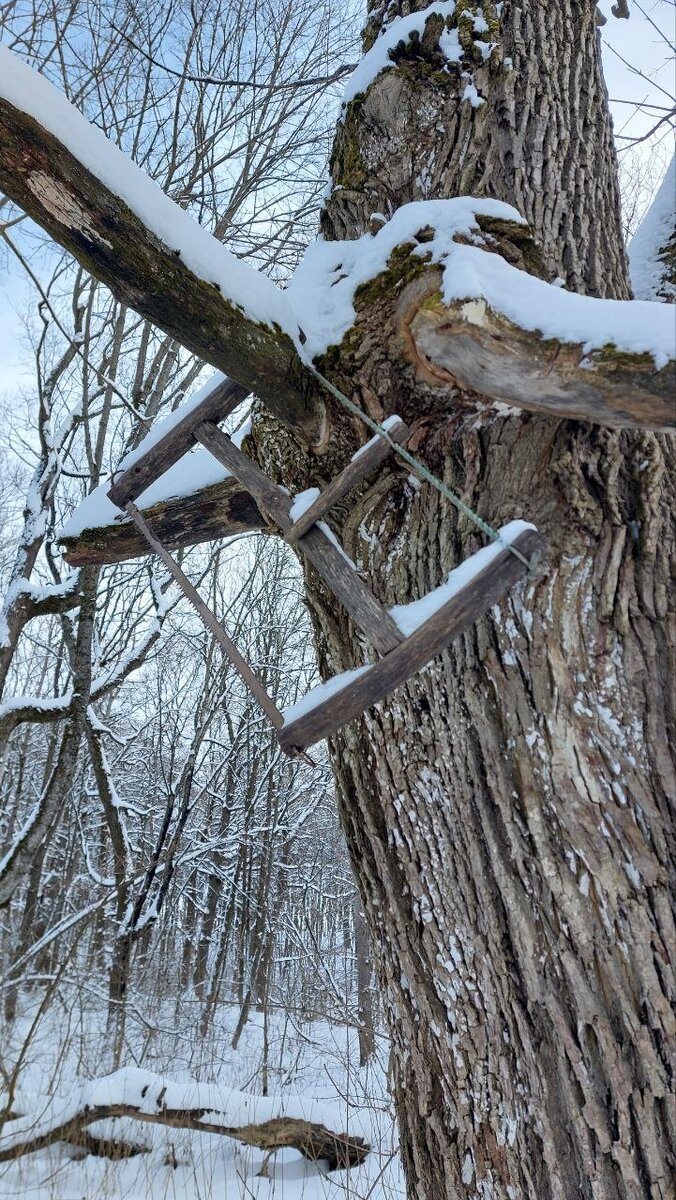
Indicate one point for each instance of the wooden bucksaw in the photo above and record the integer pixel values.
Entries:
(400, 656)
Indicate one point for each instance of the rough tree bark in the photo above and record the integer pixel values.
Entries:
(507, 811)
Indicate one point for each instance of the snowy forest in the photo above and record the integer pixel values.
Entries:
(337, 632)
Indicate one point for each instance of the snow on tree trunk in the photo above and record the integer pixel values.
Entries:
(506, 811)
(652, 250)
(511, 107)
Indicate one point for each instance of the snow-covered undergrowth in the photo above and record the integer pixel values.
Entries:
(313, 1071)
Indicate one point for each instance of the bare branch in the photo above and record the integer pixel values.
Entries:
(656, 27)
(253, 84)
(636, 71)
(636, 141)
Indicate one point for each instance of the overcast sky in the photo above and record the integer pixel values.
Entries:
(637, 41)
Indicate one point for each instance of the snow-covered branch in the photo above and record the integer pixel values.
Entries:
(142, 1096)
(496, 329)
(36, 600)
(41, 710)
(126, 232)
(459, 281)
(17, 710)
(203, 512)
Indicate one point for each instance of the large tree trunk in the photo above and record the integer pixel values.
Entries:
(507, 811)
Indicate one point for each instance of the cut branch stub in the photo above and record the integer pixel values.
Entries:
(85, 216)
(468, 343)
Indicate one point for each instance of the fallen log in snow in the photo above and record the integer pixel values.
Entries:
(141, 1096)
(101, 1147)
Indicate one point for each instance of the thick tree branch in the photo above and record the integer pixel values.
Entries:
(115, 245)
(218, 511)
(148, 1098)
(465, 343)
(469, 343)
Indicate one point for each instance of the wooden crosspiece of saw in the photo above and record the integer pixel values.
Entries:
(399, 656)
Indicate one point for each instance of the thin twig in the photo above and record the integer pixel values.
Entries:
(635, 141)
(211, 81)
(655, 26)
(637, 71)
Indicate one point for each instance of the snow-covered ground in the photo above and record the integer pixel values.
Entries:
(313, 1071)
